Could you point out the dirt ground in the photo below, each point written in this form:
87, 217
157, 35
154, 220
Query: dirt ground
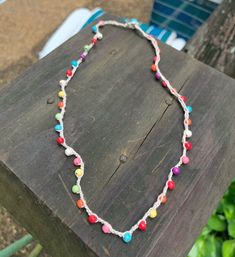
26, 25
24, 28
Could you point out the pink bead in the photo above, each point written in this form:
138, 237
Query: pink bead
106, 229
155, 58
185, 159
77, 161
164, 84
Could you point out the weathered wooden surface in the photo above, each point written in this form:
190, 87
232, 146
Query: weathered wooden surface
214, 42
115, 107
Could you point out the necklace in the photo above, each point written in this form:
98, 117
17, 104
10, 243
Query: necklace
78, 162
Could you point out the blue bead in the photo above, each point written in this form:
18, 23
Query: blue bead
58, 127
94, 29
74, 63
190, 108
127, 237
134, 20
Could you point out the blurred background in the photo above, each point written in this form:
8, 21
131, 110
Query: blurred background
29, 30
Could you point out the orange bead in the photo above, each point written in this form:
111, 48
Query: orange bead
189, 122
61, 104
80, 203
163, 198
154, 67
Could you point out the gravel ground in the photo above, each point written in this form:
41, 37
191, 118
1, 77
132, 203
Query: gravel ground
24, 28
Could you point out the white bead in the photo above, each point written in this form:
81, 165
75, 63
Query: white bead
63, 83
188, 133
99, 36
68, 151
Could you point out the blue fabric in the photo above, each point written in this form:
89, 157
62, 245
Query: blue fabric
96, 15
182, 16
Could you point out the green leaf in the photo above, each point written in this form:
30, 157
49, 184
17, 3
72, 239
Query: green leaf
231, 228
229, 210
228, 249
220, 208
194, 251
217, 223
198, 248
213, 247
206, 230
209, 246
231, 189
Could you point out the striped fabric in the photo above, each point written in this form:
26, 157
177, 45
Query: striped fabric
182, 16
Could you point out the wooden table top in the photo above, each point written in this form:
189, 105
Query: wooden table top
115, 107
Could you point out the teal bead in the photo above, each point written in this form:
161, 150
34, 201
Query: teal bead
133, 20
127, 237
76, 189
94, 29
58, 116
58, 127
74, 63
190, 108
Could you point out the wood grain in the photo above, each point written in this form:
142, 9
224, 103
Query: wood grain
214, 42
115, 107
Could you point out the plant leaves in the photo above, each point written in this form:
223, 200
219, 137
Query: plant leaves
213, 247
217, 223
209, 246
206, 231
229, 210
231, 228
228, 249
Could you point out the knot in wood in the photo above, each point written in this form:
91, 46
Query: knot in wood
168, 100
123, 158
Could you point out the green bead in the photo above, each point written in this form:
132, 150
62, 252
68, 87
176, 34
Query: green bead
87, 47
58, 116
76, 189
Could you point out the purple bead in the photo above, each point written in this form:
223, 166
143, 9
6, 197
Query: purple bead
83, 57
157, 76
176, 170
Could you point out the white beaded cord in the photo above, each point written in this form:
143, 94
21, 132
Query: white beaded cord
69, 151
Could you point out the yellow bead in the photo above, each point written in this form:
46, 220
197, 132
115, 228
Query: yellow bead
61, 94
153, 213
79, 172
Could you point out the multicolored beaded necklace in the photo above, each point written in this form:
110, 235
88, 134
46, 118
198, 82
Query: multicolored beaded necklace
78, 162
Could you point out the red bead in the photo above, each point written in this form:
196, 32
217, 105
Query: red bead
164, 83
60, 140
94, 40
69, 73
184, 98
188, 145
171, 184
92, 219
142, 225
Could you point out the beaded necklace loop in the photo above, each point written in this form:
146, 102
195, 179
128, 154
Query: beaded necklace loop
78, 162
